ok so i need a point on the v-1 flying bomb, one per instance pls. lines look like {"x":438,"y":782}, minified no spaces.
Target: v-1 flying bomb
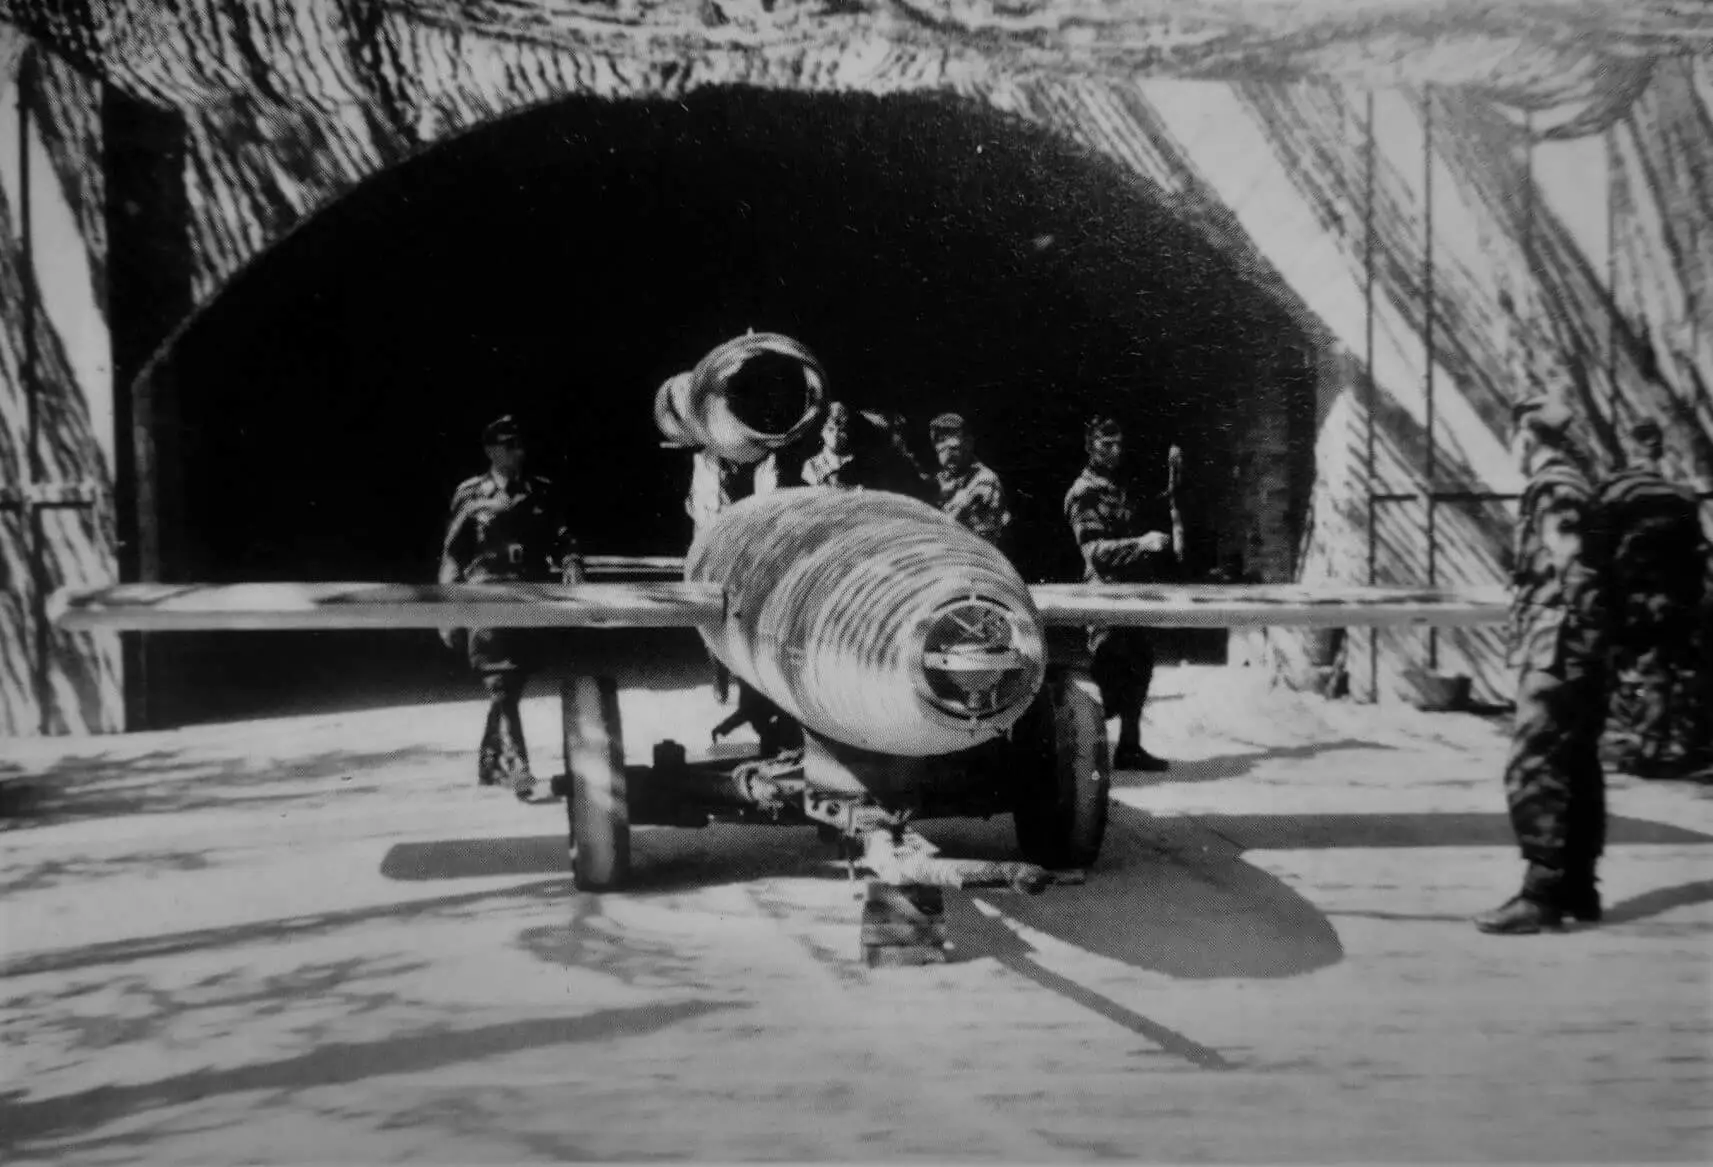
{"x":910,"y":652}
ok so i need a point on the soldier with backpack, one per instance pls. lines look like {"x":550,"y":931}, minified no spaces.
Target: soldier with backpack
{"x":1657,"y":563}
{"x":1554,"y":786}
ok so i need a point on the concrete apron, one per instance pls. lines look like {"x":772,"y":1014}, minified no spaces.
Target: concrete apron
{"x":315,"y":939}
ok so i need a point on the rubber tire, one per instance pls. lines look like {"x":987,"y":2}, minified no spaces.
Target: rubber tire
{"x":1064,"y":777}
{"x":598,"y":810}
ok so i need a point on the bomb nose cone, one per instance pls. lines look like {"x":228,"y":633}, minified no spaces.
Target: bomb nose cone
{"x":872,"y":618}
{"x":977,"y":662}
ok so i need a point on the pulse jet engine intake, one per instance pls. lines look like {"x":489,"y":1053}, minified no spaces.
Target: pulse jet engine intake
{"x":748,"y":397}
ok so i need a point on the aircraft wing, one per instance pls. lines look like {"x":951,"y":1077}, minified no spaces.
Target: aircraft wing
{"x":658,"y":603}
{"x":1240,"y":605}
{"x":299,"y":606}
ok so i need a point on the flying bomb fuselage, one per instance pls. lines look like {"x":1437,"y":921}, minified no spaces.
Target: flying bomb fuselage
{"x":871,"y":618}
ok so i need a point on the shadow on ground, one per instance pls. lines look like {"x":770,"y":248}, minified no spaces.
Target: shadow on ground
{"x":1172,"y":895}
{"x":663,"y":859}
{"x":279,"y":929}
{"x":1221,"y":766}
{"x":178,"y":781}
{"x":981,"y":933}
{"x":334,"y":1063}
{"x":1166,"y":895}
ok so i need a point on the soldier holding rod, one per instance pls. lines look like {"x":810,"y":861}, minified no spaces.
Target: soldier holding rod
{"x":1118,"y":532}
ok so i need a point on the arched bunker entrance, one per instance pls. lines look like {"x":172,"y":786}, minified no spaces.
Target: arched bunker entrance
{"x":562,"y":262}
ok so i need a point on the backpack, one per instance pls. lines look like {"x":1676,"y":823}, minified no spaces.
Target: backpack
{"x":1654,"y":543}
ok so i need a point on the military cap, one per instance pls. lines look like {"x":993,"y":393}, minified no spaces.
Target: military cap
{"x":1102,"y":426}
{"x":947,"y":423}
{"x":504,"y":428}
{"x":1540,"y":410}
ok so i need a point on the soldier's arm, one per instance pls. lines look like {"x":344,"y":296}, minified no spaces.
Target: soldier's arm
{"x":455,"y":544}
{"x":1574,"y":519}
{"x":1104,"y":549}
{"x":1000,"y":503}
{"x":563,"y":544}
{"x":973,"y":507}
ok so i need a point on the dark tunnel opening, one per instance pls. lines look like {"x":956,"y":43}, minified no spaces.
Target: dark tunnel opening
{"x":561,"y":264}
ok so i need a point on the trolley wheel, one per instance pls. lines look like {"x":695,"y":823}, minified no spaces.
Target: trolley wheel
{"x":595,"y":758}
{"x":1065,"y":777}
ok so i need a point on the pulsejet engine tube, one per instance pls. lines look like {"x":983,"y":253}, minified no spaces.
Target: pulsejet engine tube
{"x":749,"y":396}
{"x":871,"y":618}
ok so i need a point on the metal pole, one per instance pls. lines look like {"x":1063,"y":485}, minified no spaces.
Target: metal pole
{"x":1612,"y":271}
{"x":31,"y":377}
{"x":1368,"y":379}
{"x":1427,"y":351}
{"x":1529,"y":210}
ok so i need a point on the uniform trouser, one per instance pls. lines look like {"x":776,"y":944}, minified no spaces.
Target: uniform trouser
{"x":499,"y":657}
{"x":1700,"y":732}
{"x":774,"y":729}
{"x":1122,"y":667}
{"x":1554,"y":785}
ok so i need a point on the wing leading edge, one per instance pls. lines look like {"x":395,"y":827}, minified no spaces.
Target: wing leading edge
{"x":660,"y":604}
{"x":1246,"y":605}
{"x":307,"y":606}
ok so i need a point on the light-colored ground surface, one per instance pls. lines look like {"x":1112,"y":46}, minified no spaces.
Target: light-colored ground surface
{"x":314,"y":940}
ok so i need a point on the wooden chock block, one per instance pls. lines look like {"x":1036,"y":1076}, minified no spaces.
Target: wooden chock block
{"x":897,"y":956}
{"x":907,"y":901}
{"x":881,"y":929}
{"x":903,"y":925}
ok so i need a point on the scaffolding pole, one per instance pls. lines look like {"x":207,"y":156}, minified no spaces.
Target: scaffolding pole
{"x":30,"y":376}
{"x":1432,"y":468}
{"x":1368,"y":376}
{"x":1611,"y":139}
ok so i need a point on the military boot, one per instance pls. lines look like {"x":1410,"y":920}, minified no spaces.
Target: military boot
{"x":1521,"y":916}
{"x":1536,"y":908}
{"x":1579,"y":897}
{"x":511,"y":767}
{"x":1131,"y":756}
{"x":488,"y":769}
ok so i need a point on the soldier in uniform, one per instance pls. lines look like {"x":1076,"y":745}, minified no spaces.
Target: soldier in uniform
{"x":1657,"y":557}
{"x":835,"y":463}
{"x":901,"y":471}
{"x":505,"y":524}
{"x":1554,"y":785}
{"x":715,"y":484}
{"x":863,"y":451}
{"x":968,"y":490}
{"x":1122,"y":541}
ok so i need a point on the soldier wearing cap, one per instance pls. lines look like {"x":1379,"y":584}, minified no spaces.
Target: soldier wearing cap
{"x":835,"y":463}
{"x":1657,"y":566}
{"x":1122,"y":540}
{"x":968,"y":490}
{"x":504,"y":524}
{"x":861,"y":451}
{"x":1554,"y":785}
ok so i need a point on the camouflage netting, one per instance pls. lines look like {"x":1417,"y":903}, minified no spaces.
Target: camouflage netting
{"x":287,"y":104}
{"x":1531,"y":53}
